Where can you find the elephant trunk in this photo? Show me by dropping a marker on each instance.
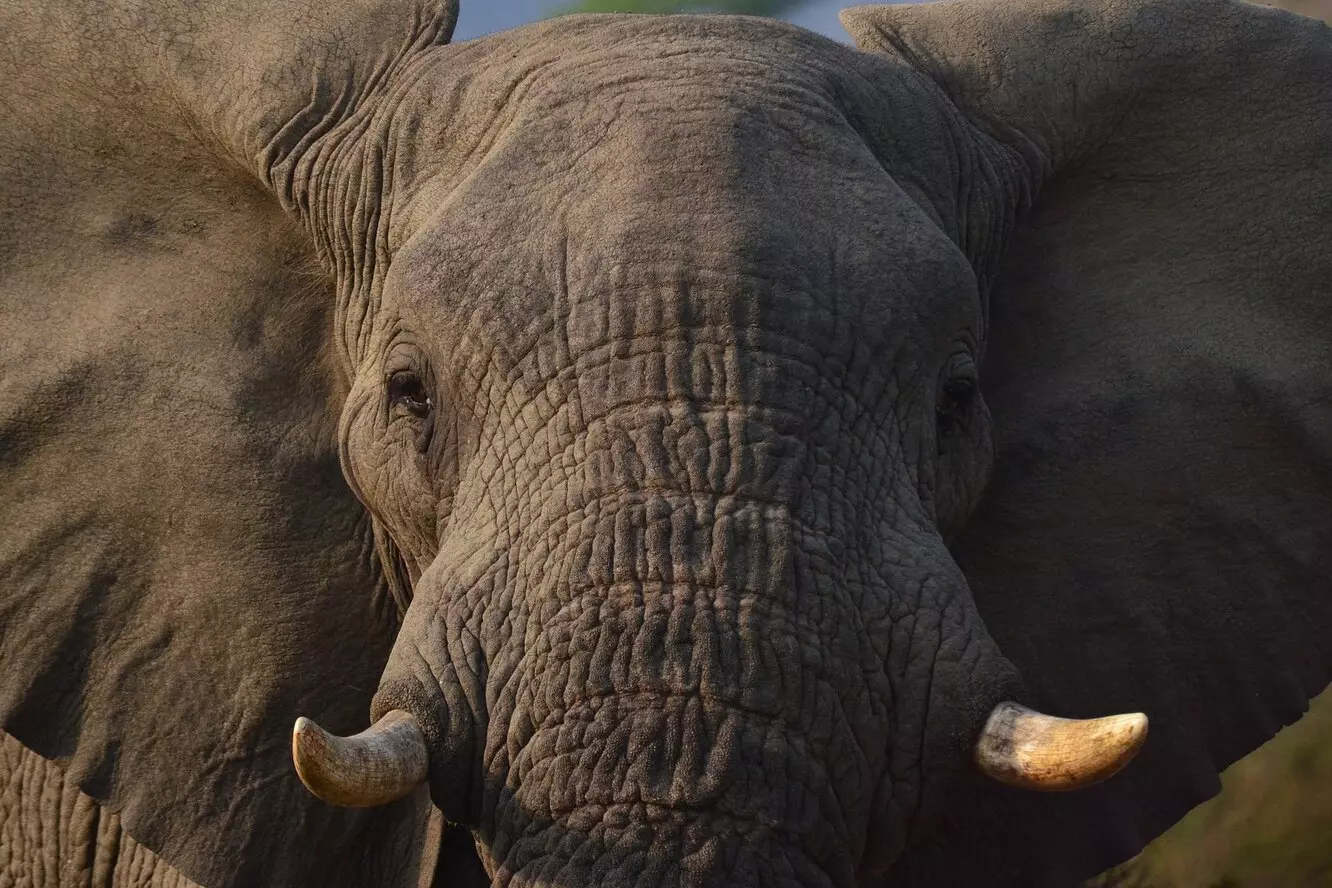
(676, 716)
(688, 689)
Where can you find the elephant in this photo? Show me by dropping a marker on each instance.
(630, 450)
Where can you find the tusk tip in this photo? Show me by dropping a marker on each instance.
(1134, 726)
(303, 734)
(1030, 750)
(300, 729)
(310, 753)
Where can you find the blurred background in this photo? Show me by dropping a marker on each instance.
(483, 16)
(1271, 827)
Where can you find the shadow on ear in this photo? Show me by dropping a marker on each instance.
(1157, 534)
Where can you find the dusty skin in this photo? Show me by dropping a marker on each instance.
(695, 426)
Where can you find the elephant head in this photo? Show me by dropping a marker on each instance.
(745, 429)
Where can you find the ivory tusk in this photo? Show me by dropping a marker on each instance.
(382, 763)
(1030, 750)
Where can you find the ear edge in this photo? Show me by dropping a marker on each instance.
(871, 25)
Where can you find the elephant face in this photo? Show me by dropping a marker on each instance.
(737, 423)
(665, 406)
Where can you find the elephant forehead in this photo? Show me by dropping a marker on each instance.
(698, 177)
(735, 308)
(681, 120)
(583, 71)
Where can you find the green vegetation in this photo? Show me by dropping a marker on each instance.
(1271, 826)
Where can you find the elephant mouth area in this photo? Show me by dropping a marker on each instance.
(621, 844)
(663, 771)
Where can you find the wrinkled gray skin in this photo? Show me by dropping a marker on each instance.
(652, 351)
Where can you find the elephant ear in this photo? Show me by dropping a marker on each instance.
(183, 569)
(1157, 533)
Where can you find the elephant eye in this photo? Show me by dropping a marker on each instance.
(406, 390)
(954, 403)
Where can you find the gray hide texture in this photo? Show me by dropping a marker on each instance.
(184, 571)
(1157, 534)
(706, 560)
(54, 836)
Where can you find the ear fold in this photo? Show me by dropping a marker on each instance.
(1157, 534)
(183, 569)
